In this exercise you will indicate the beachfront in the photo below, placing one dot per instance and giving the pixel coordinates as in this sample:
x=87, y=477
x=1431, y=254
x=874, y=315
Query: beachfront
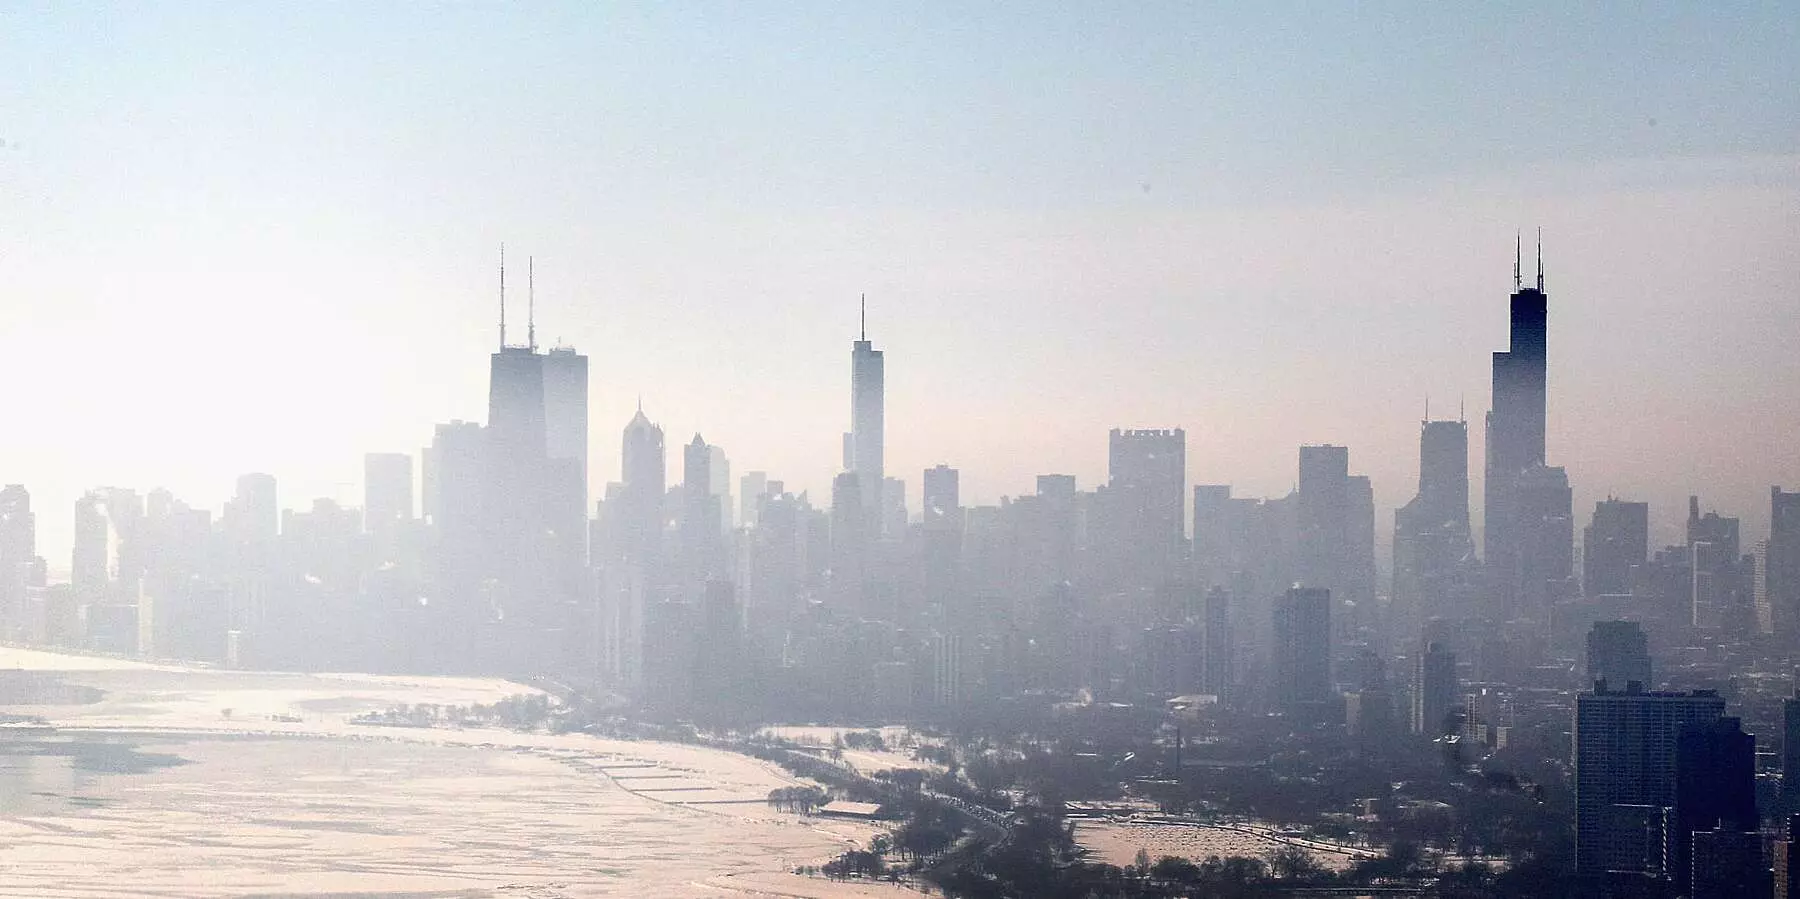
x=216, y=784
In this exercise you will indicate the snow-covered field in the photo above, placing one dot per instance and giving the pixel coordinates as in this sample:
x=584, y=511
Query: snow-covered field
x=281, y=795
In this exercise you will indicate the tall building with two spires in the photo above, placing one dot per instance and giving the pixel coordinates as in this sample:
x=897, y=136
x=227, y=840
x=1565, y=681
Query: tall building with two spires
x=535, y=494
x=1528, y=558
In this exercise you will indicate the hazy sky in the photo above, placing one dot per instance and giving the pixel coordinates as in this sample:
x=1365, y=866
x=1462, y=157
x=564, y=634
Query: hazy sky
x=262, y=237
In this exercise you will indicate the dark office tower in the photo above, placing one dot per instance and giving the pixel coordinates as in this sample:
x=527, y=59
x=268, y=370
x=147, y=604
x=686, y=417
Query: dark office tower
x=1434, y=691
x=1781, y=565
x=1618, y=654
x=387, y=492
x=942, y=494
x=1218, y=664
x=1432, y=547
x=1515, y=431
x=1719, y=582
x=1617, y=541
x=868, y=419
x=1715, y=792
x=1301, y=662
x=701, y=543
x=1625, y=774
x=1147, y=477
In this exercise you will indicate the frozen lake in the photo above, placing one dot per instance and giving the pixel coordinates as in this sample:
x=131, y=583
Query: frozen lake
x=154, y=791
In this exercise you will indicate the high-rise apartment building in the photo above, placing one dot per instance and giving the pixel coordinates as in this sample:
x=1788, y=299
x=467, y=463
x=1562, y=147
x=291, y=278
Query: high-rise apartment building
x=1625, y=774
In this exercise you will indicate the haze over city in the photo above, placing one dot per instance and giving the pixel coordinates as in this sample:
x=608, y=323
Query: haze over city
x=276, y=228
x=860, y=451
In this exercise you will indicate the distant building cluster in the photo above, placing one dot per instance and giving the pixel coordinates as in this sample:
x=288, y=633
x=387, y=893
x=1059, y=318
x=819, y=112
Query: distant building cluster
x=749, y=597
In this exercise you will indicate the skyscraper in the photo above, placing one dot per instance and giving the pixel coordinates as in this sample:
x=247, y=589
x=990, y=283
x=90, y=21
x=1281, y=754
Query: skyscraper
x=1335, y=537
x=253, y=514
x=1715, y=793
x=1432, y=546
x=20, y=567
x=701, y=547
x=1781, y=565
x=1616, y=541
x=1543, y=528
x=1515, y=432
x=1147, y=480
x=1435, y=691
x=1618, y=653
x=942, y=494
x=1218, y=661
x=868, y=420
x=1301, y=663
x=387, y=492
x=643, y=481
x=1790, y=753
x=1625, y=774
x=1719, y=586
x=566, y=450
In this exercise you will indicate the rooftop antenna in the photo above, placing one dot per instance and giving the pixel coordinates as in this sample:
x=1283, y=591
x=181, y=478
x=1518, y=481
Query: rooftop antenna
x=1540, y=248
x=1518, y=259
x=531, y=302
x=865, y=318
x=503, y=295
x=1428, y=406
x=1460, y=416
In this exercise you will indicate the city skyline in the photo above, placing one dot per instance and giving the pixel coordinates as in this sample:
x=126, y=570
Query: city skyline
x=1197, y=269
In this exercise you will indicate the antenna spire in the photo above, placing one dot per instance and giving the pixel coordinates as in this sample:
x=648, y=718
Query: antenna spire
x=1518, y=260
x=1540, y=249
x=503, y=295
x=865, y=318
x=531, y=302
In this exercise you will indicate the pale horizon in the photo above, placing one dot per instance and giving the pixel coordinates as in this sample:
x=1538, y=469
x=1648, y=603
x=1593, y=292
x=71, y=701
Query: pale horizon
x=280, y=255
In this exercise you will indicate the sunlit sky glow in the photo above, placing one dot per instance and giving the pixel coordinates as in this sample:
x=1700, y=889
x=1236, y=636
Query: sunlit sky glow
x=262, y=237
